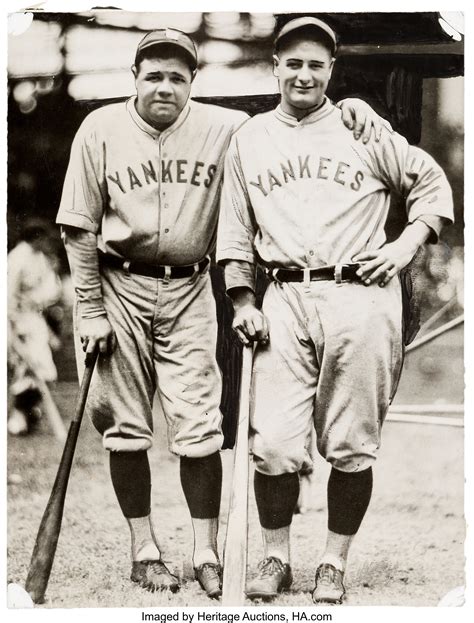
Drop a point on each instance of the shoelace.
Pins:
(209, 569)
(328, 575)
(270, 566)
(159, 568)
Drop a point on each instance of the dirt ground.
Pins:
(409, 551)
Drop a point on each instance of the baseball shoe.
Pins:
(329, 588)
(273, 577)
(154, 576)
(209, 576)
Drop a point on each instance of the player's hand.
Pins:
(250, 325)
(97, 331)
(381, 265)
(359, 117)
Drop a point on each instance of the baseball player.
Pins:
(310, 207)
(34, 287)
(139, 216)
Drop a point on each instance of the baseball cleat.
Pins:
(209, 576)
(273, 577)
(154, 576)
(329, 588)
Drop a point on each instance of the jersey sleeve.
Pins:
(84, 190)
(237, 227)
(435, 223)
(417, 177)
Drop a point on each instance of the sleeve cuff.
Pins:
(435, 223)
(240, 274)
(74, 219)
(234, 253)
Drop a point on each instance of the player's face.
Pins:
(163, 86)
(303, 69)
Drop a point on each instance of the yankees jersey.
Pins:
(150, 196)
(307, 194)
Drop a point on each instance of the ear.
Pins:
(134, 71)
(331, 66)
(276, 63)
(193, 75)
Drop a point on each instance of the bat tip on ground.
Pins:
(17, 597)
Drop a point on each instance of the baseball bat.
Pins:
(48, 532)
(235, 550)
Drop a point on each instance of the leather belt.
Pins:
(338, 273)
(150, 270)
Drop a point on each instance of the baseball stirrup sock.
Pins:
(130, 473)
(276, 543)
(205, 540)
(348, 499)
(276, 498)
(201, 479)
(144, 542)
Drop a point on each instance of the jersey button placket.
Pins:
(161, 155)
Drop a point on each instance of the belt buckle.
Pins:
(338, 274)
(126, 266)
(274, 274)
(167, 275)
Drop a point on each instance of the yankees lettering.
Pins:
(323, 169)
(179, 170)
(310, 206)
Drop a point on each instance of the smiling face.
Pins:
(163, 85)
(303, 68)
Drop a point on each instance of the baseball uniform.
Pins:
(311, 196)
(152, 198)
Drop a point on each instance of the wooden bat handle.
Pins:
(235, 556)
(48, 532)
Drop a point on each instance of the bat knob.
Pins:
(90, 358)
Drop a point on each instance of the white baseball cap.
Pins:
(304, 22)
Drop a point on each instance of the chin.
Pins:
(164, 119)
(304, 105)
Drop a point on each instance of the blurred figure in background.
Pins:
(34, 314)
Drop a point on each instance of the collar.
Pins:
(324, 110)
(149, 129)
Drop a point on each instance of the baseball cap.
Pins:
(304, 22)
(170, 36)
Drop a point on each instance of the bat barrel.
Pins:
(50, 527)
(235, 557)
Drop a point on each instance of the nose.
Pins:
(304, 75)
(164, 88)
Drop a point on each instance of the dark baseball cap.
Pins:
(306, 22)
(170, 36)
